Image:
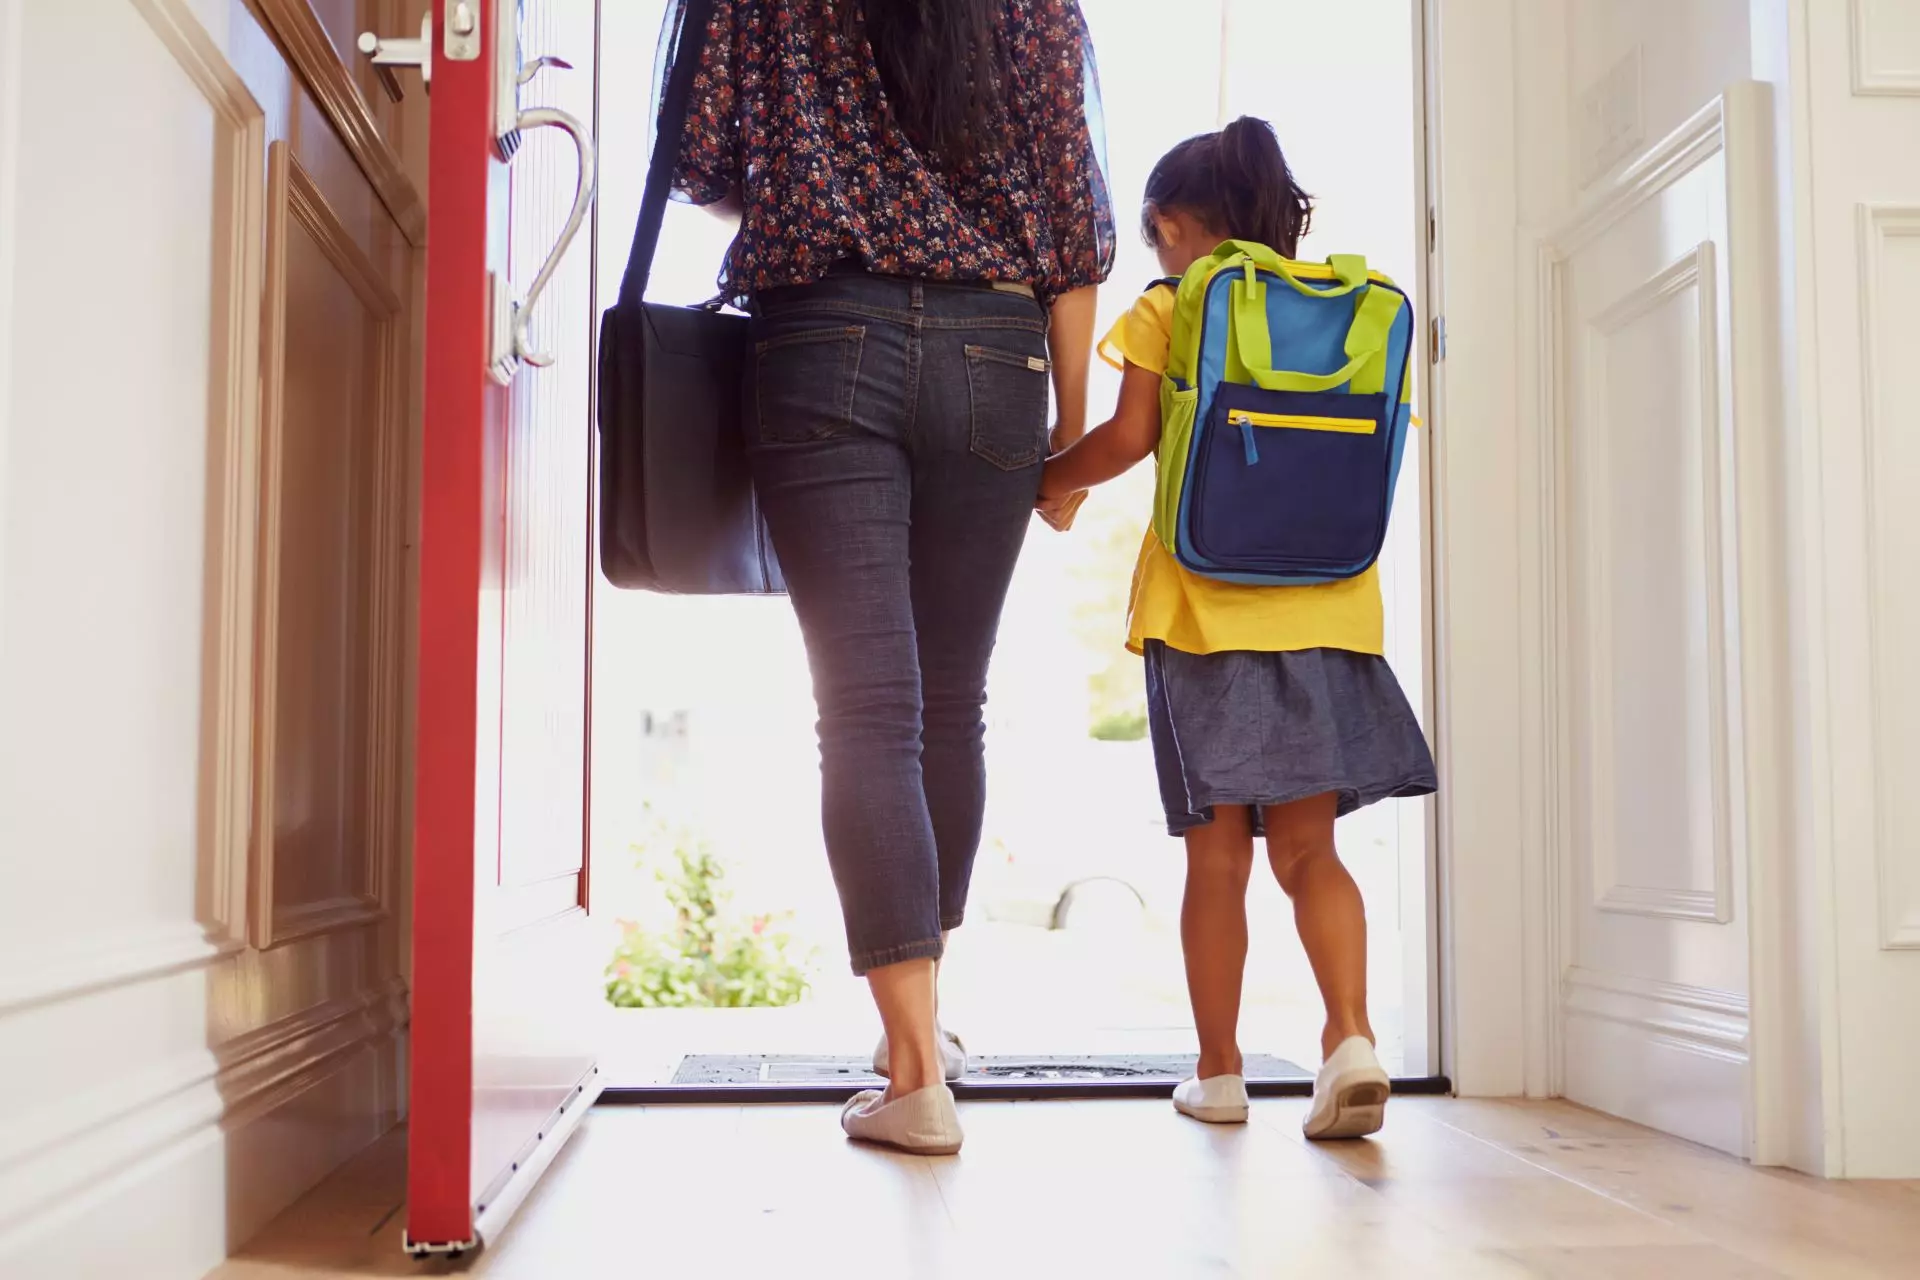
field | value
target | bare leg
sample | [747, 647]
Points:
[904, 994]
[946, 936]
[1213, 934]
[1327, 910]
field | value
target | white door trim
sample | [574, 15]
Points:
[1501, 964]
[1484, 879]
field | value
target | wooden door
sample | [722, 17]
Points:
[208, 254]
[504, 989]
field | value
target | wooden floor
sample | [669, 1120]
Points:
[1125, 1189]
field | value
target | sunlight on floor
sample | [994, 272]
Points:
[1451, 1189]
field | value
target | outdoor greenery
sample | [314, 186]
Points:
[1119, 726]
[707, 956]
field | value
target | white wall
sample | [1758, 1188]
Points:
[174, 1067]
[1848, 904]
[1814, 593]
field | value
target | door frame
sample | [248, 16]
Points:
[1434, 1036]
[1488, 961]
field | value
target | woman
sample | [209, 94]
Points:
[923, 223]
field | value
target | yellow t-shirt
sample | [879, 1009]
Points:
[1204, 615]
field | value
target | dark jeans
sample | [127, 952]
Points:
[897, 431]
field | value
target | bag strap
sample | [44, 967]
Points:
[1349, 269]
[689, 47]
[1366, 343]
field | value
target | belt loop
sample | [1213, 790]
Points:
[919, 297]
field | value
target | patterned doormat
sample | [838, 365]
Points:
[791, 1068]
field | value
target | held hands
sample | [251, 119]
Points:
[1059, 512]
[1058, 509]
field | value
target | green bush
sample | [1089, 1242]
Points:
[1120, 726]
[708, 958]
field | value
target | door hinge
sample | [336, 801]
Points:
[1433, 230]
[461, 43]
[1436, 340]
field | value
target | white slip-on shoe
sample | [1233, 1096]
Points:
[924, 1123]
[1349, 1094]
[953, 1057]
[1216, 1100]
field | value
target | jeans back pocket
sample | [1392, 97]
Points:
[1008, 390]
[803, 384]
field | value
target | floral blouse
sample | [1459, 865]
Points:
[791, 115]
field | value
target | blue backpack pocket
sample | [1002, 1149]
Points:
[1290, 483]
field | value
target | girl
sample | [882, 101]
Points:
[1271, 709]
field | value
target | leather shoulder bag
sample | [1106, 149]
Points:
[677, 509]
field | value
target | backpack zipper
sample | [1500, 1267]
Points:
[1248, 419]
[1303, 422]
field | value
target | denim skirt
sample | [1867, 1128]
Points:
[1260, 729]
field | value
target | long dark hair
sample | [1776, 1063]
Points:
[945, 68]
[1236, 182]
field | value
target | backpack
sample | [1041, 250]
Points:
[1284, 414]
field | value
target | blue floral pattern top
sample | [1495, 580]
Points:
[791, 115]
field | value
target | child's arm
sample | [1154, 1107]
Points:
[1070, 347]
[1114, 446]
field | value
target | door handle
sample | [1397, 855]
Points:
[513, 341]
[534, 68]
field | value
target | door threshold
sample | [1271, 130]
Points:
[833, 1093]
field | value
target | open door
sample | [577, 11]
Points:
[502, 1065]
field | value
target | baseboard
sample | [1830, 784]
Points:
[1672, 1057]
[203, 1154]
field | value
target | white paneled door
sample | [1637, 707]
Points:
[1649, 940]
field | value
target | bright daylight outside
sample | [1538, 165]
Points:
[725, 957]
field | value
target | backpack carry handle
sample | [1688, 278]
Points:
[1349, 269]
[1366, 345]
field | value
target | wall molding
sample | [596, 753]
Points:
[1871, 80]
[233, 453]
[140, 1116]
[36, 977]
[1700, 1020]
[1697, 271]
[295, 201]
[1896, 852]
[332, 85]
[12, 24]
[1700, 138]
[224, 798]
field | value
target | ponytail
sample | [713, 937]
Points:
[1237, 183]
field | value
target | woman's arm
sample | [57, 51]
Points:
[707, 171]
[1064, 95]
[729, 207]
[1070, 348]
[1113, 447]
